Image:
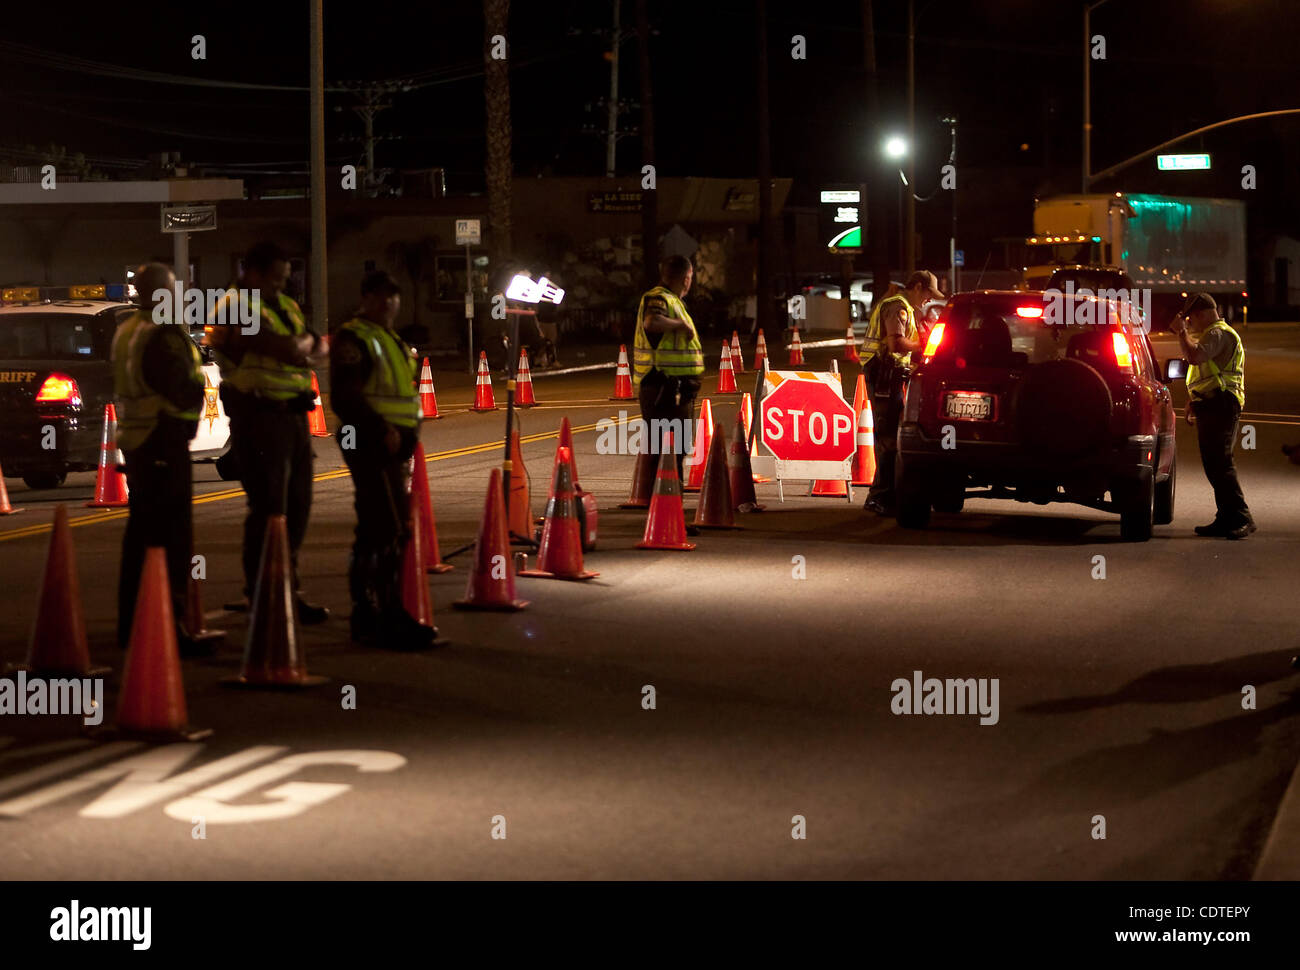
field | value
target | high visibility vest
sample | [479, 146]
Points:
[875, 341]
[678, 354]
[138, 405]
[265, 376]
[1203, 379]
[390, 389]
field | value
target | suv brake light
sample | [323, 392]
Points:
[1031, 312]
[936, 338]
[1123, 355]
[58, 389]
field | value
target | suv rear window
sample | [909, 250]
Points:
[49, 336]
[991, 333]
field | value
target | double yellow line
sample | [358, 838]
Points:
[93, 518]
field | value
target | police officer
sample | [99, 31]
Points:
[892, 336]
[1216, 389]
[158, 387]
[667, 359]
[266, 388]
[372, 390]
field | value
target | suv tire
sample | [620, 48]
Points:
[44, 480]
[1137, 503]
[1164, 513]
[1063, 408]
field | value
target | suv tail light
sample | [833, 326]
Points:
[1029, 312]
[936, 338]
[1123, 353]
[59, 389]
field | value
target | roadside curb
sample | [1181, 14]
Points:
[1280, 859]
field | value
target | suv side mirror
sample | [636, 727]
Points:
[1175, 370]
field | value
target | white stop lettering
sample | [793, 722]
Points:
[813, 418]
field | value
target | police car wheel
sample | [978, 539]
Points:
[40, 481]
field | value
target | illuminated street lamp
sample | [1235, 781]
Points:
[896, 149]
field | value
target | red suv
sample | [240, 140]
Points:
[1040, 398]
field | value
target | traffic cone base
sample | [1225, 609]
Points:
[491, 584]
[110, 484]
[829, 488]
[622, 377]
[559, 554]
[665, 526]
[273, 654]
[483, 398]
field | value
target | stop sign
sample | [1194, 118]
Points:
[807, 419]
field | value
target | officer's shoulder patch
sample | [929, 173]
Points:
[347, 352]
[656, 304]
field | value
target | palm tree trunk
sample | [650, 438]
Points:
[496, 90]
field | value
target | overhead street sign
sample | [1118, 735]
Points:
[468, 232]
[1182, 163]
[189, 218]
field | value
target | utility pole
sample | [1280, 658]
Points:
[1087, 97]
[877, 202]
[764, 178]
[611, 134]
[374, 99]
[649, 198]
[909, 255]
[319, 264]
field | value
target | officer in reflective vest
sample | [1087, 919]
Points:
[667, 359]
[892, 337]
[266, 387]
[372, 390]
[158, 389]
[1216, 390]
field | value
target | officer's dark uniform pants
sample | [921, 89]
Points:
[273, 451]
[886, 411]
[382, 505]
[1216, 434]
[160, 487]
[667, 398]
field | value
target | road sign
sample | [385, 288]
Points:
[1182, 163]
[807, 428]
[468, 232]
[189, 218]
[959, 257]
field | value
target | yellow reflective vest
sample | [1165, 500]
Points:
[876, 340]
[266, 376]
[390, 389]
[1205, 379]
[138, 405]
[678, 354]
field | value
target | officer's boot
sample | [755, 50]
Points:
[398, 630]
[364, 621]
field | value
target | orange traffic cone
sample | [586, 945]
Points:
[273, 653]
[796, 350]
[560, 554]
[747, 409]
[714, 510]
[524, 382]
[520, 513]
[195, 621]
[492, 582]
[316, 416]
[643, 479]
[864, 458]
[5, 507]
[415, 577]
[665, 526]
[58, 642]
[566, 441]
[700, 456]
[760, 352]
[110, 484]
[737, 360]
[420, 493]
[740, 471]
[726, 377]
[851, 346]
[828, 488]
[152, 703]
[622, 377]
[483, 399]
[428, 399]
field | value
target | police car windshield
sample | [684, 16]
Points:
[1013, 333]
[47, 336]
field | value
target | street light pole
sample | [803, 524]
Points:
[611, 135]
[319, 287]
[909, 254]
[1088, 7]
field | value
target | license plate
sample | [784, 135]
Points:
[968, 405]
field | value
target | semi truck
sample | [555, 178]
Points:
[1173, 245]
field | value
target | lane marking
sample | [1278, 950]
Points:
[221, 496]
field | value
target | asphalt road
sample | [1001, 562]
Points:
[1118, 697]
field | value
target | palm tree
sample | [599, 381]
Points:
[496, 91]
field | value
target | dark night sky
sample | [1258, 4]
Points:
[1010, 69]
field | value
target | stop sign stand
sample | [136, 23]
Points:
[805, 429]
